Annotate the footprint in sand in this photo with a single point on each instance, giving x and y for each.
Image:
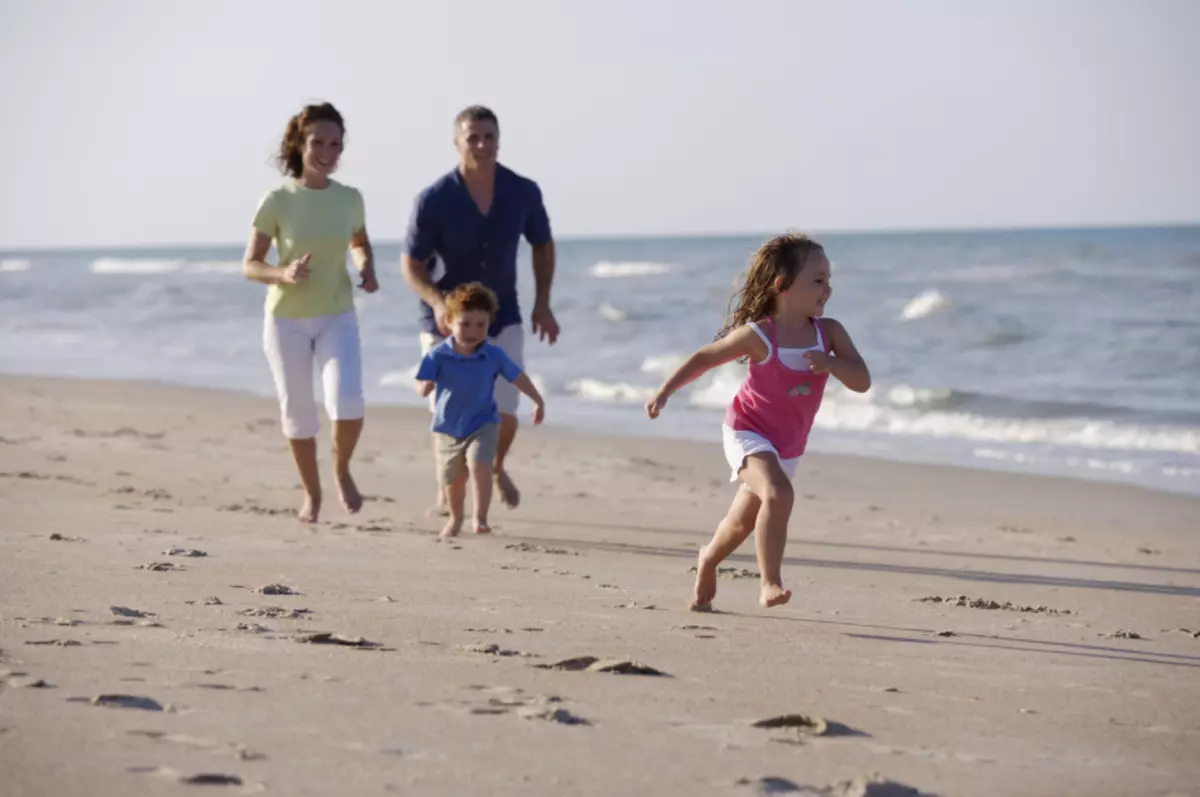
(189, 552)
(492, 649)
(325, 638)
(275, 589)
(123, 701)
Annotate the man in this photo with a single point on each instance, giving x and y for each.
(472, 219)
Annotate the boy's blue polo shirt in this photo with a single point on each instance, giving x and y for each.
(464, 392)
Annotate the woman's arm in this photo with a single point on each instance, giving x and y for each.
(364, 259)
(255, 266)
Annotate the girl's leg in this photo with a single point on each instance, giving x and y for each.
(731, 532)
(288, 345)
(339, 355)
(765, 477)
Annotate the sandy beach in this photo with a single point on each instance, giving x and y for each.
(955, 632)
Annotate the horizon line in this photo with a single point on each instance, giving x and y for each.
(601, 237)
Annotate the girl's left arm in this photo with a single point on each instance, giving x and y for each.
(847, 365)
(364, 259)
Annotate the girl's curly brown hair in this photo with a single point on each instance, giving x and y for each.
(291, 146)
(780, 258)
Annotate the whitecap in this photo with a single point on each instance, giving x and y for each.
(610, 392)
(926, 304)
(605, 269)
(14, 264)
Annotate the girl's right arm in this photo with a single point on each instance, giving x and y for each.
(742, 342)
(255, 266)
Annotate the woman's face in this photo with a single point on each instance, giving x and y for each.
(322, 148)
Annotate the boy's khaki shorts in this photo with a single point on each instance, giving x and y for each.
(453, 453)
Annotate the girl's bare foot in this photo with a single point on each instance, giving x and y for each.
(774, 595)
(310, 509)
(452, 528)
(706, 583)
(351, 497)
(482, 527)
(510, 496)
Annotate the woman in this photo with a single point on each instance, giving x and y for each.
(310, 316)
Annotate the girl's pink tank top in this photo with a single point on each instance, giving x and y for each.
(778, 402)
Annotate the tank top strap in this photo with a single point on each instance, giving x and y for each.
(821, 341)
(768, 340)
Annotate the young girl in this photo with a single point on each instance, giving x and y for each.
(791, 355)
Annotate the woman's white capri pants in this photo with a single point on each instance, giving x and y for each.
(292, 346)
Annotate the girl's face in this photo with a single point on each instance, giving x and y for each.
(810, 290)
(322, 148)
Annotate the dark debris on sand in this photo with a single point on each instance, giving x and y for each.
(324, 638)
(983, 603)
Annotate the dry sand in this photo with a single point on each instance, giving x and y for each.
(101, 481)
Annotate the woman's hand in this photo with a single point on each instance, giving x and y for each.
(296, 272)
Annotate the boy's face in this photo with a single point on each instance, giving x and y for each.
(470, 328)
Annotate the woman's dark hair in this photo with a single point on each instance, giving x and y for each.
(291, 147)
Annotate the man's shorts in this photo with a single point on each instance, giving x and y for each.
(512, 341)
(453, 453)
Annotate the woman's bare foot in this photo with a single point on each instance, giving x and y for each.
(774, 595)
(482, 527)
(706, 583)
(310, 509)
(351, 497)
(510, 496)
(452, 528)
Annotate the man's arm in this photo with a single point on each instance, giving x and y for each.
(419, 247)
(538, 233)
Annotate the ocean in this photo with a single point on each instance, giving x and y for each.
(1060, 352)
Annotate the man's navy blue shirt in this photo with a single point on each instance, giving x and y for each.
(473, 247)
(464, 393)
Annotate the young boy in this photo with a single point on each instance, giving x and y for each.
(461, 371)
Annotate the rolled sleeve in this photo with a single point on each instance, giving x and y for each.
(537, 223)
(420, 240)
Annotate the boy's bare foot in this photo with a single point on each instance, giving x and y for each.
(351, 497)
(706, 583)
(482, 527)
(309, 509)
(451, 528)
(510, 496)
(774, 595)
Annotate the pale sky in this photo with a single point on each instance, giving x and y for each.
(154, 122)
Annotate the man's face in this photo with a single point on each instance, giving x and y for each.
(477, 142)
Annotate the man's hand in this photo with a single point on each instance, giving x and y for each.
(544, 323)
(440, 320)
(539, 413)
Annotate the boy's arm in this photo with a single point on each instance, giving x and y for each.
(427, 373)
(523, 383)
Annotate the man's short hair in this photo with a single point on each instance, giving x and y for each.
(476, 113)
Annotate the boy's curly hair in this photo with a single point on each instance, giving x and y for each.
(472, 296)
